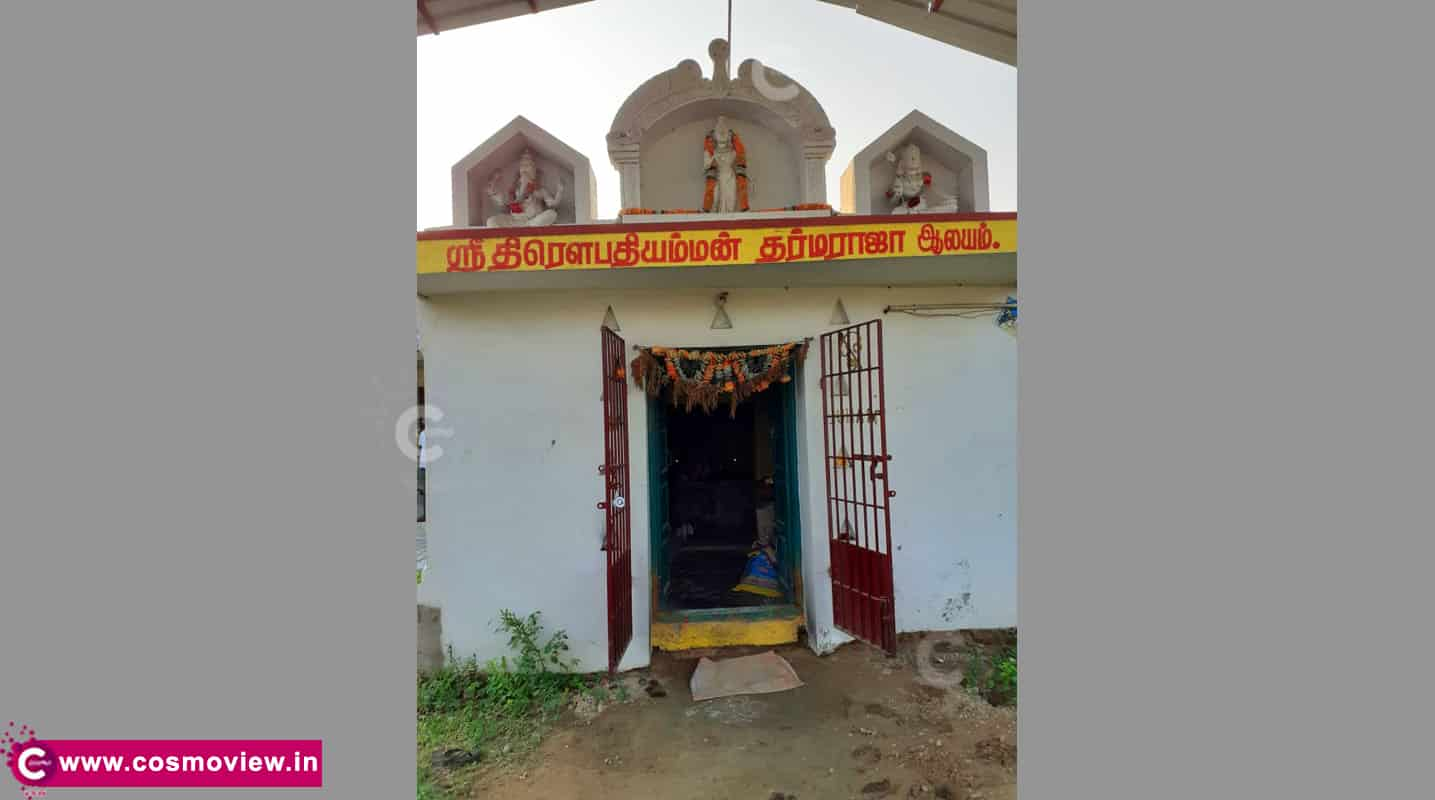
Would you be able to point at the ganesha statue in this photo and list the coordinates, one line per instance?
(911, 191)
(528, 202)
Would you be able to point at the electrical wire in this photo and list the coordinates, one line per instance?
(971, 314)
(958, 310)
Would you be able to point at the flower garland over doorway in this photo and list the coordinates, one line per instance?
(705, 378)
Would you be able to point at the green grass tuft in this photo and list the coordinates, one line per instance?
(992, 675)
(502, 705)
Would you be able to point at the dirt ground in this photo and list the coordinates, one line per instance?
(863, 726)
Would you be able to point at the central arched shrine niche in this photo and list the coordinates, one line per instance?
(657, 137)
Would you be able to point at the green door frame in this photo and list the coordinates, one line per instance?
(785, 483)
(658, 498)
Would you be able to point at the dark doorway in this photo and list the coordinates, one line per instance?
(716, 477)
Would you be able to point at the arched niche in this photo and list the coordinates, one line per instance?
(671, 160)
(656, 138)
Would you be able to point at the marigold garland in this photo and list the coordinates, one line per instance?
(800, 207)
(704, 378)
(635, 212)
(739, 168)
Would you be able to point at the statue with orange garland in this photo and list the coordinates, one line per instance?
(724, 170)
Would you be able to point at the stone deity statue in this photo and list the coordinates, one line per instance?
(724, 170)
(911, 191)
(527, 203)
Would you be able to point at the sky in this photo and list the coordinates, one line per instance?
(569, 70)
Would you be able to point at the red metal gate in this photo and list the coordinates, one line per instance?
(616, 502)
(859, 519)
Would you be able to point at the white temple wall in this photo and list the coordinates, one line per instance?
(512, 520)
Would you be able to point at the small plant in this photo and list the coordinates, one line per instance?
(427, 790)
(450, 687)
(503, 705)
(540, 677)
(992, 677)
(1004, 675)
(598, 691)
(523, 636)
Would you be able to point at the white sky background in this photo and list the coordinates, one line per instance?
(569, 70)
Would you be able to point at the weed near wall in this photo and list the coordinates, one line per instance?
(468, 712)
(992, 675)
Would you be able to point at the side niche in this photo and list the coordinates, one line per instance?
(563, 189)
(956, 169)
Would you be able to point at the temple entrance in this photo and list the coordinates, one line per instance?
(724, 490)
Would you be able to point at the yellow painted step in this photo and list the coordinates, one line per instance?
(724, 633)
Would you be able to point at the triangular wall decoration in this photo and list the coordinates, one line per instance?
(721, 321)
(610, 320)
(839, 314)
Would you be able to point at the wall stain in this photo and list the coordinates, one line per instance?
(960, 605)
(955, 607)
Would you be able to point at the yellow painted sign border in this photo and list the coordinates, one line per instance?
(615, 246)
